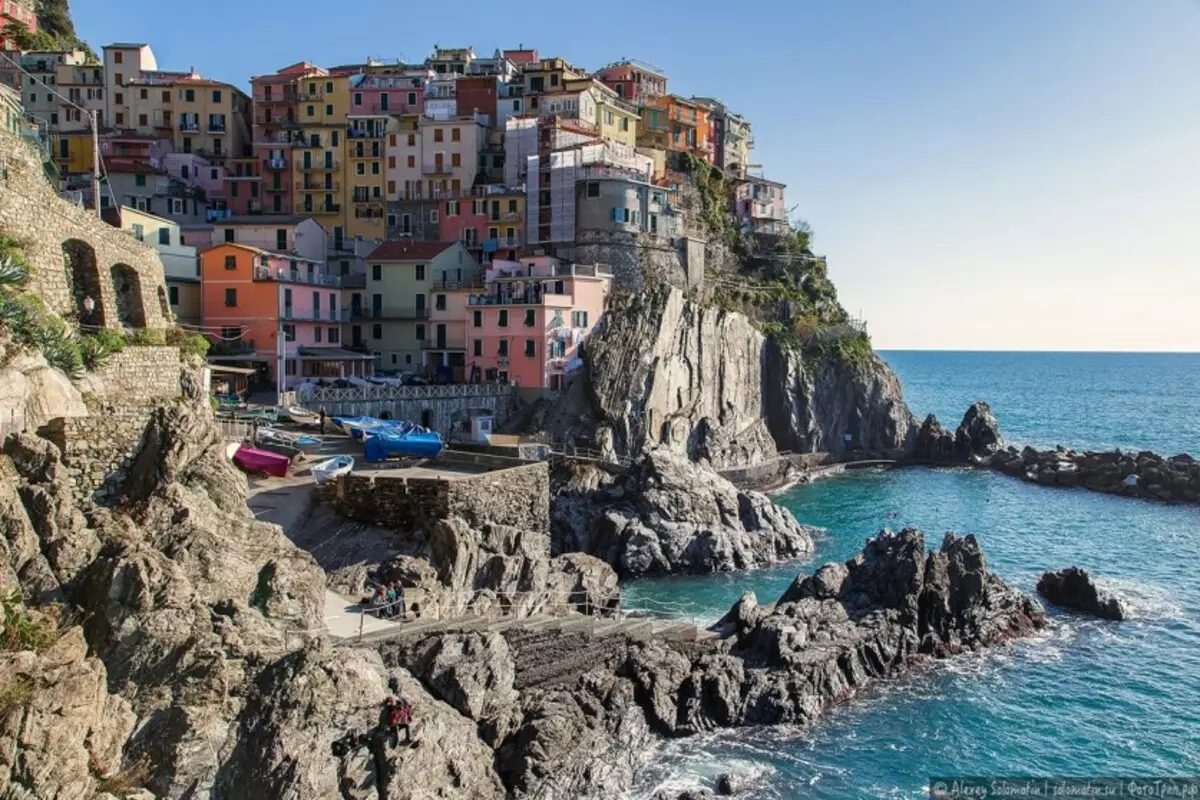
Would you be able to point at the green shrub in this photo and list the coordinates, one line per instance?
(188, 342)
(23, 632)
(95, 350)
(147, 337)
(14, 693)
(12, 271)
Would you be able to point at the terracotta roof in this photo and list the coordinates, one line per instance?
(409, 250)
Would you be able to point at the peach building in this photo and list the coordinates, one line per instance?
(528, 321)
(251, 296)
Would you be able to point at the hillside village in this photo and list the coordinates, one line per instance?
(461, 219)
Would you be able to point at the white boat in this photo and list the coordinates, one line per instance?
(330, 469)
(302, 416)
(231, 448)
(300, 441)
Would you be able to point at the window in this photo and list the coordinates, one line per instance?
(376, 272)
(374, 167)
(579, 319)
(477, 349)
(233, 191)
(361, 168)
(335, 336)
(477, 319)
(333, 142)
(329, 87)
(138, 232)
(289, 333)
(173, 295)
(433, 215)
(328, 110)
(439, 302)
(559, 288)
(412, 161)
(376, 331)
(189, 95)
(420, 333)
(493, 233)
(391, 162)
(139, 180)
(310, 111)
(593, 189)
(289, 366)
(455, 135)
(393, 358)
(529, 318)
(231, 298)
(120, 98)
(502, 350)
(412, 98)
(391, 190)
(608, 117)
(451, 208)
(216, 95)
(412, 140)
(455, 160)
(280, 237)
(420, 270)
(120, 79)
(437, 134)
(164, 235)
(317, 335)
(229, 234)
(358, 98)
(529, 345)
(624, 123)
(503, 321)
(117, 57)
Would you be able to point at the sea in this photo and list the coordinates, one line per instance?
(1086, 697)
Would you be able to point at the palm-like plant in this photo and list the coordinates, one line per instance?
(13, 272)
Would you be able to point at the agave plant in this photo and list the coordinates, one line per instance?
(95, 351)
(57, 344)
(14, 315)
(13, 272)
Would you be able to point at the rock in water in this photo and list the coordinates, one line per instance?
(1073, 588)
(978, 434)
(670, 515)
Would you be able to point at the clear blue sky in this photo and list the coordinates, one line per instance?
(1009, 174)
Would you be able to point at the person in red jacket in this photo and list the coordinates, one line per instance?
(397, 714)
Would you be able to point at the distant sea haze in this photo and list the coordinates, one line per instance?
(1135, 401)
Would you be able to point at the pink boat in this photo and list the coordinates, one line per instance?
(251, 459)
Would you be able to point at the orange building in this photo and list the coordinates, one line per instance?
(251, 295)
(674, 123)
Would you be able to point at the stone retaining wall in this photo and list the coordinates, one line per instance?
(97, 450)
(518, 497)
(138, 376)
(74, 254)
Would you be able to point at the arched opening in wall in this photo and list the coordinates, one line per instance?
(83, 278)
(127, 285)
(164, 305)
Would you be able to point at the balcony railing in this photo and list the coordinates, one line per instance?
(285, 97)
(217, 128)
(311, 186)
(365, 133)
(391, 312)
(521, 299)
(434, 344)
(275, 164)
(284, 275)
(273, 189)
(310, 315)
(471, 283)
(323, 166)
(354, 282)
(436, 169)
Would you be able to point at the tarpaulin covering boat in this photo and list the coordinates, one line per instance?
(251, 459)
(411, 442)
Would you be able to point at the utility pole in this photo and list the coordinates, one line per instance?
(280, 345)
(95, 161)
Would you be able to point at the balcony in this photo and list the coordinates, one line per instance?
(554, 299)
(505, 243)
(437, 169)
(275, 164)
(280, 189)
(310, 315)
(391, 312)
(434, 344)
(354, 282)
(311, 186)
(217, 128)
(364, 197)
(176, 189)
(365, 133)
(284, 275)
(189, 125)
(470, 283)
(330, 165)
(276, 140)
(328, 208)
(285, 97)
(366, 153)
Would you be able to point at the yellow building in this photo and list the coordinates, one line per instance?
(617, 120)
(73, 153)
(320, 168)
(366, 155)
(545, 76)
(211, 118)
(506, 221)
(83, 85)
(394, 308)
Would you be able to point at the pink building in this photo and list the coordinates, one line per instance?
(396, 94)
(444, 347)
(759, 206)
(527, 323)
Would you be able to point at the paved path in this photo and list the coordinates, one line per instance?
(343, 617)
(594, 627)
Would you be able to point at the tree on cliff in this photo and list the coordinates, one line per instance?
(56, 30)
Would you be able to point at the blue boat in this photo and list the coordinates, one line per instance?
(405, 440)
(354, 426)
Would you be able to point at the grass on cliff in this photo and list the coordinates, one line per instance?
(14, 693)
(22, 631)
(136, 776)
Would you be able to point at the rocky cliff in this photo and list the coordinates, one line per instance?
(666, 371)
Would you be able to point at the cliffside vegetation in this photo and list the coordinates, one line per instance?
(56, 30)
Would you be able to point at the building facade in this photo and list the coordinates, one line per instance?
(295, 235)
(181, 264)
(759, 206)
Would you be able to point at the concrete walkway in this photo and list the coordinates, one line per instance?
(343, 617)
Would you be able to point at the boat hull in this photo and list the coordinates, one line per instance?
(252, 459)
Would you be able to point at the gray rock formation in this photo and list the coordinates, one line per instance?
(667, 372)
(1145, 474)
(668, 514)
(976, 438)
(1073, 588)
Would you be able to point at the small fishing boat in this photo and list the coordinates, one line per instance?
(302, 416)
(298, 440)
(330, 469)
(410, 442)
(252, 459)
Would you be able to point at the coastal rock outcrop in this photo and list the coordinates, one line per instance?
(976, 438)
(1144, 474)
(667, 514)
(1074, 588)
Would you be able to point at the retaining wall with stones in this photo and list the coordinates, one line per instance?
(141, 375)
(74, 254)
(518, 497)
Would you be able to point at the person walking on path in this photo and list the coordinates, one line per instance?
(322, 420)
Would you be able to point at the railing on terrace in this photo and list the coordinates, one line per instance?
(309, 186)
(311, 315)
(467, 284)
(284, 275)
(390, 312)
(311, 395)
(522, 299)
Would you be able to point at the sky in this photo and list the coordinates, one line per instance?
(1000, 175)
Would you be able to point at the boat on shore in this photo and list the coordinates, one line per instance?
(331, 468)
(252, 459)
(404, 441)
(302, 416)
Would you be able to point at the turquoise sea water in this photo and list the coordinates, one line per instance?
(1086, 698)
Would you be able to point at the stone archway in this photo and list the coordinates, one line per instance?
(83, 278)
(127, 285)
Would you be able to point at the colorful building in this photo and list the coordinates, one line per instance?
(366, 170)
(444, 349)
(634, 81)
(673, 123)
(36, 86)
(276, 132)
(319, 169)
(20, 12)
(759, 205)
(731, 137)
(489, 221)
(251, 297)
(287, 234)
(613, 200)
(395, 301)
(526, 325)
